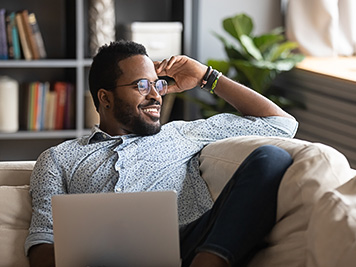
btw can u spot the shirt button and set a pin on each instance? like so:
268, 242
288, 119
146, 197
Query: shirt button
118, 189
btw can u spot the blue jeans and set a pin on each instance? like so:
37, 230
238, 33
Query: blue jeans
244, 212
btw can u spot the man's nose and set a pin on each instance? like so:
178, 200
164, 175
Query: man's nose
153, 94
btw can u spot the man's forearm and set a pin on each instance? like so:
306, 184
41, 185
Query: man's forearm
42, 255
246, 100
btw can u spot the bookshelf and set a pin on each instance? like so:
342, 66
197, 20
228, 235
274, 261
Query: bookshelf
64, 27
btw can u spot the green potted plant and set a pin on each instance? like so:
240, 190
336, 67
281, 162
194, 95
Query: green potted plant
254, 61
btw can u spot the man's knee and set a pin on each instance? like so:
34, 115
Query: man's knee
274, 154
270, 162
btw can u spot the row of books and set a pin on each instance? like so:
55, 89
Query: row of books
20, 36
46, 106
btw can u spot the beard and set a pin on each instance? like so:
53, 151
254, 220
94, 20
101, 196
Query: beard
137, 125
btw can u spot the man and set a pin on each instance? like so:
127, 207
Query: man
130, 151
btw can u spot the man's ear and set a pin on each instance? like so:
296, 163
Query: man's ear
105, 98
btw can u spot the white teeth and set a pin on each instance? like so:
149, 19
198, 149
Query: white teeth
150, 110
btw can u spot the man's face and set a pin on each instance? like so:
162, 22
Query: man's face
134, 112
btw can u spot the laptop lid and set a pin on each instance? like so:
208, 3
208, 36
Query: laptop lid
108, 229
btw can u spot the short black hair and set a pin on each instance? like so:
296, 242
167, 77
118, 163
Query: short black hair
105, 70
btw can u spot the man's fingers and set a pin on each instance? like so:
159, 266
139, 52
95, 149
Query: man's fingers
171, 61
166, 64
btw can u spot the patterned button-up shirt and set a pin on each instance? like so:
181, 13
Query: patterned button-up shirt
167, 160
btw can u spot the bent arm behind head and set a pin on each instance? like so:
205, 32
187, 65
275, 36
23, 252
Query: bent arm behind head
188, 73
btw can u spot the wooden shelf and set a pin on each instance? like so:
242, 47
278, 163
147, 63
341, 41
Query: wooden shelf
39, 134
43, 63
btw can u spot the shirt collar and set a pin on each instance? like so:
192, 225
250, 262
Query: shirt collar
97, 135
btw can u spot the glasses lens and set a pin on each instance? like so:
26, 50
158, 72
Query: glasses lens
161, 87
143, 87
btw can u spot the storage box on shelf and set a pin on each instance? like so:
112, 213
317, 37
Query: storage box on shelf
161, 39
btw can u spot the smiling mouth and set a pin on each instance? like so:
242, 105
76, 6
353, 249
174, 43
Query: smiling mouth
153, 112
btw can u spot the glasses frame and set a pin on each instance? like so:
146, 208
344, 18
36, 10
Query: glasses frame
150, 85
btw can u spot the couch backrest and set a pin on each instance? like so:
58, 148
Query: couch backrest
16, 172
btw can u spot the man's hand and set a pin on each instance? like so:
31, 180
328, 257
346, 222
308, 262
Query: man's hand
42, 255
187, 73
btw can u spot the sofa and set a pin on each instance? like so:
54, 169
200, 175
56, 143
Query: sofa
316, 213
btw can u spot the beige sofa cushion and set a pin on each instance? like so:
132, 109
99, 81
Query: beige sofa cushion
332, 229
15, 216
316, 169
15, 172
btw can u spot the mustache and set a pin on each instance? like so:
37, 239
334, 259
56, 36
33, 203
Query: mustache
150, 103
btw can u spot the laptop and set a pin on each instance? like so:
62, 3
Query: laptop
109, 229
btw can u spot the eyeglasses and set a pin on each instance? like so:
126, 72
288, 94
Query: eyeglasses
144, 86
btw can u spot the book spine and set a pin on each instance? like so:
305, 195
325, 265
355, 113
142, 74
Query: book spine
31, 107
38, 40
29, 34
10, 46
24, 43
60, 88
69, 112
23, 108
38, 103
15, 36
3, 35
45, 89
50, 113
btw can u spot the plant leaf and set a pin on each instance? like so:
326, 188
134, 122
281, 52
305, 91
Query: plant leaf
266, 41
239, 25
285, 64
259, 78
231, 51
277, 31
277, 66
250, 48
295, 57
281, 50
219, 65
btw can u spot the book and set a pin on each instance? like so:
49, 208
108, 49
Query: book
29, 35
23, 106
44, 92
69, 111
38, 40
16, 49
23, 40
10, 47
61, 89
50, 109
32, 107
36, 106
3, 35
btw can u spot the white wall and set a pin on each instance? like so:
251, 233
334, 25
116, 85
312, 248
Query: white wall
266, 15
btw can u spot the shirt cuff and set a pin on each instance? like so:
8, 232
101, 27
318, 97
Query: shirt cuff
287, 125
36, 239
